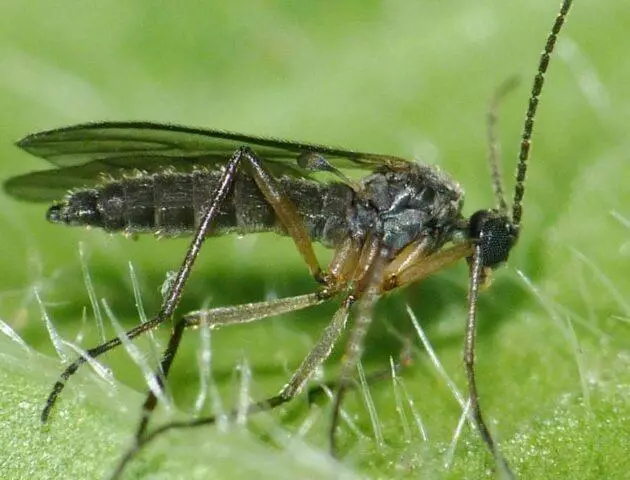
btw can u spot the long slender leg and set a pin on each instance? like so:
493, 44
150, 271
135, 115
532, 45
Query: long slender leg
220, 317
172, 298
427, 266
320, 352
401, 271
313, 360
413, 254
289, 217
405, 360
286, 212
344, 260
370, 286
283, 208
469, 363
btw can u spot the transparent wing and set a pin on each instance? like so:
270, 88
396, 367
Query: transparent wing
84, 152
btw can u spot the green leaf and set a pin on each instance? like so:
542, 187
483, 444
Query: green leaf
408, 78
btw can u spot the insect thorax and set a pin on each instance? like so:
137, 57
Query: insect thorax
404, 206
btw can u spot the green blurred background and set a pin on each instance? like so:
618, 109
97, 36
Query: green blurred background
411, 78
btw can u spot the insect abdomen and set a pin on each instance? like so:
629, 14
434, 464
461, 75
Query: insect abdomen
172, 203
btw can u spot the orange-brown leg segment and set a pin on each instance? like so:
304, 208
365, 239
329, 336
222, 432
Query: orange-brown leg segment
286, 212
344, 260
412, 263
368, 279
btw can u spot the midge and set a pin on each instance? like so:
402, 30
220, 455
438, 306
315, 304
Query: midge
397, 225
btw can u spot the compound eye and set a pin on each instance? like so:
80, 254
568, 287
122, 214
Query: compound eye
495, 235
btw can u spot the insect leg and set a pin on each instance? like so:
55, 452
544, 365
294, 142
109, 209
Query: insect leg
320, 352
220, 317
343, 261
314, 359
172, 299
369, 288
286, 212
412, 263
401, 272
476, 269
398, 367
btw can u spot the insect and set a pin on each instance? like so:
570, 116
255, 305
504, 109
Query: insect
397, 225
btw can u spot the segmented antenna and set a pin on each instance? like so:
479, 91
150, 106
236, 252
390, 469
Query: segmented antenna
539, 80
